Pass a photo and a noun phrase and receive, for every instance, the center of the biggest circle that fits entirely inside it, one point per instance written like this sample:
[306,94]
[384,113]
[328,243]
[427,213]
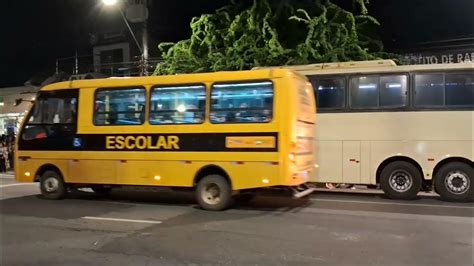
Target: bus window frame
[206,98]
[379,108]
[118,88]
[332,109]
[44,94]
[444,107]
[242,82]
[47,94]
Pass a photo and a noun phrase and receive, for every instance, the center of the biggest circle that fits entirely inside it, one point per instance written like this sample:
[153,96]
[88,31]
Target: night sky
[35,33]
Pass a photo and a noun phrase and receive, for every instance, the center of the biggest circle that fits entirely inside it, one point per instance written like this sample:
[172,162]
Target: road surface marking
[17,184]
[7,176]
[121,220]
[393,203]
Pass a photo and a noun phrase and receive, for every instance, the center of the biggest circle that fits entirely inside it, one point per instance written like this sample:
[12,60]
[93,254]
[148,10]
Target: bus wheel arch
[211,169]
[47,167]
[400,177]
[452,168]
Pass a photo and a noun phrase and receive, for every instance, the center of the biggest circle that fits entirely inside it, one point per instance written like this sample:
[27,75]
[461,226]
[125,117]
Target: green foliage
[240,36]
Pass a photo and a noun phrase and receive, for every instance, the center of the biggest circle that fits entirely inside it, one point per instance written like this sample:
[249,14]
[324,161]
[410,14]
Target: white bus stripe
[121,220]
[392,203]
[17,184]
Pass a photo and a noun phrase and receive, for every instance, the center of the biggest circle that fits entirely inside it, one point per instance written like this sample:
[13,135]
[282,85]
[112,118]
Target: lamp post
[143,48]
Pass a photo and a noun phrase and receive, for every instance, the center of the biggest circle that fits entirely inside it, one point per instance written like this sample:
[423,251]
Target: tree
[244,35]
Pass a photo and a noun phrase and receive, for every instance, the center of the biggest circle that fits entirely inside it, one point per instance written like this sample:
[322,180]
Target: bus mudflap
[302,190]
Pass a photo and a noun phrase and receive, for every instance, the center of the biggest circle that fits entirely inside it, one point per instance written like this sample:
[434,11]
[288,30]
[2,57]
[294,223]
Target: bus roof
[174,79]
[372,66]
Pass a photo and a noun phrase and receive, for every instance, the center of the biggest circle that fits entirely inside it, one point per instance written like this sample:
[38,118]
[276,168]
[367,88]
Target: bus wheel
[453,182]
[213,193]
[52,185]
[400,180]
[101,190]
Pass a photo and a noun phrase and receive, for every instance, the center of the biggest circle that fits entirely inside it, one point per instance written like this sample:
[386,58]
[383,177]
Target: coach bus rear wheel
[400,180]
[214,193]
[453,182]
[52,185]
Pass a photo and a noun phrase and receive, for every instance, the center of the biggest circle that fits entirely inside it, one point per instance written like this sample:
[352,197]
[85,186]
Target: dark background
[36,33]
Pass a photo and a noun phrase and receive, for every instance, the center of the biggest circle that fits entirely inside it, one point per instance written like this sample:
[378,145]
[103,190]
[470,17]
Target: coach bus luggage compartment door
[351,162]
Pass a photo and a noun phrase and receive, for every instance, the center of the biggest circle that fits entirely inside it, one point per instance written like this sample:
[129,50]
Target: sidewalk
[8,174]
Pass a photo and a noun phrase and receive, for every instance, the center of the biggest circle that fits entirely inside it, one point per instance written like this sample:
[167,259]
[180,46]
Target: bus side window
[178,104]
[329,92]
[121,106]
[459,89]
[378,91]
[250,102]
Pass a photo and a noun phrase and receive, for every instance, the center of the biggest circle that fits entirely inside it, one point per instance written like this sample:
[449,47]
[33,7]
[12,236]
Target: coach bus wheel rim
[457,182]
[401,181]
[51,184]
[211,194]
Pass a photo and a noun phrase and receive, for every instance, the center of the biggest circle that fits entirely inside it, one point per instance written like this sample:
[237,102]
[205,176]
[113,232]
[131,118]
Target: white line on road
[393,203]
[17,184]
[7,176]
[121,220]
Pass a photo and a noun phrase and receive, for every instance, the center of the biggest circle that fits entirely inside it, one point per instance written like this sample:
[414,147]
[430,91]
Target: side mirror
[20,100]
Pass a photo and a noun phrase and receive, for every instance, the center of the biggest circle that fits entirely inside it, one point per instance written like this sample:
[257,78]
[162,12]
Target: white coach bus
[406,128]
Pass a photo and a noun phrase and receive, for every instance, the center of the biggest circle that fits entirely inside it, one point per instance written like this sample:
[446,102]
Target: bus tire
[52,185]
[214,193]
[101,190]
[400,180]
[453,182]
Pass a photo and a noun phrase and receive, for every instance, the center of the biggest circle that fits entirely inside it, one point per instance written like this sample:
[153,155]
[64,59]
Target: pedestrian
[2,158]
[6,156]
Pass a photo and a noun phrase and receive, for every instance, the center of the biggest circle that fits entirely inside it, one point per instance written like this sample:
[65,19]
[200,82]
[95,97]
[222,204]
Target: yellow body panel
[133,157]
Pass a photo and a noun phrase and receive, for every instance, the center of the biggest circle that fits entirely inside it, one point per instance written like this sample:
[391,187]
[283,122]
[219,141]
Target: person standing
[3,165]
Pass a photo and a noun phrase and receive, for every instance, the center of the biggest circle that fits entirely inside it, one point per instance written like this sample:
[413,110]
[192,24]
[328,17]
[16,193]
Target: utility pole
[145,39]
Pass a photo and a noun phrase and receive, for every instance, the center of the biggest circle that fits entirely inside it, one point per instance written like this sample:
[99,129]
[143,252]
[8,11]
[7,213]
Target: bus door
[90,165]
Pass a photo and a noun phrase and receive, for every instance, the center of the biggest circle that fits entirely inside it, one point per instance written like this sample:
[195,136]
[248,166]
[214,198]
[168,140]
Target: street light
[144,47]
[109,2]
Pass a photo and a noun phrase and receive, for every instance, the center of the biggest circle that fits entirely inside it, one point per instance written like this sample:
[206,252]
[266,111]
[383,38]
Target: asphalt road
[166,228]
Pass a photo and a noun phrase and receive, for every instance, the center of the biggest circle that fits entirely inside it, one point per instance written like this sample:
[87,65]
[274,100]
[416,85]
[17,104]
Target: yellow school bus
[222,134]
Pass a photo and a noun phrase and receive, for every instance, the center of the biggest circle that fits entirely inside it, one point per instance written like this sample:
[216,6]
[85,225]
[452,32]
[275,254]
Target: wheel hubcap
[457,182]
[401,181]
[51,185]
[211,194]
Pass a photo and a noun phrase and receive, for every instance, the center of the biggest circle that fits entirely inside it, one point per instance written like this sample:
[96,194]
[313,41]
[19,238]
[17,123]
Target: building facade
[11,114]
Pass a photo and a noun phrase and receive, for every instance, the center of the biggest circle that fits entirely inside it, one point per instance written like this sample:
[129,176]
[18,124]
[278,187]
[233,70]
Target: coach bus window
[393,91]
[242,102]
[429,90]
[178,104]
[329,92]
[387,91]
[364,92]
[459,89]
[119,106]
